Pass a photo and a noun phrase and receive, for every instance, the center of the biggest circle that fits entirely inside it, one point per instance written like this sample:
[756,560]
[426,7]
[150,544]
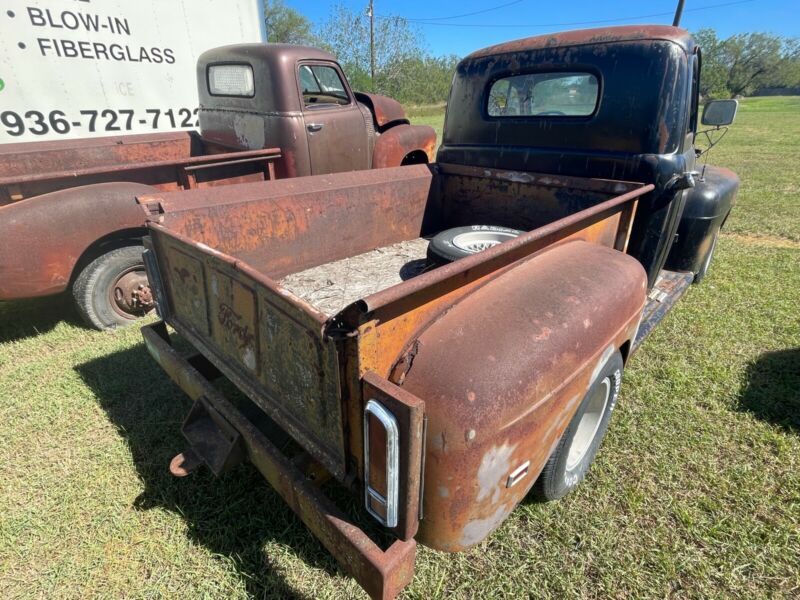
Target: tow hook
[185,463]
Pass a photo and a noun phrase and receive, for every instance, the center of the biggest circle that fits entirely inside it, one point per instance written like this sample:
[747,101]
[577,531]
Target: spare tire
[452,244]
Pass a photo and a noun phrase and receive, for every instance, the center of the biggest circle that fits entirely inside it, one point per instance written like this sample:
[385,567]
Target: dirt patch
[771,241]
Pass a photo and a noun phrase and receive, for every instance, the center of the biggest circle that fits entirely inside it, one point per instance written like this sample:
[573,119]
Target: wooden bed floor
[334,285]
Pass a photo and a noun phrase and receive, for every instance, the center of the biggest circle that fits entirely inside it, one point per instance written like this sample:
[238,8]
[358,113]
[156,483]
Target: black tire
[700,275]
[93,289]
[559,477]
[445,247]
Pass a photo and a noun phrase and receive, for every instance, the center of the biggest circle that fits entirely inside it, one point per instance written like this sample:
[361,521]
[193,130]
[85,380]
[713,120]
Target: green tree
[744,62]
[287,26]
[347,35]
[714,73]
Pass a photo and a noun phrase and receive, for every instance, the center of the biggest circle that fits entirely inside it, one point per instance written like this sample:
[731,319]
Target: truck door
[337,134]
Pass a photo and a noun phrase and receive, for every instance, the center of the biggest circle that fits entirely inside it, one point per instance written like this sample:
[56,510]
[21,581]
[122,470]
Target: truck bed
[332,286]
[255,276]
[166,161]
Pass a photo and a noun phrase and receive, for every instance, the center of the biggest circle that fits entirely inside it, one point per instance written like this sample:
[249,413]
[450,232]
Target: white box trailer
[89,68]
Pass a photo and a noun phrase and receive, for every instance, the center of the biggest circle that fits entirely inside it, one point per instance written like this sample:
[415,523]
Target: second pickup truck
[267,111]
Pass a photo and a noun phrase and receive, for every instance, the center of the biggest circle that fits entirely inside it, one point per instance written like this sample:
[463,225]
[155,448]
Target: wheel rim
[130,295]
[589,424]
[476,241]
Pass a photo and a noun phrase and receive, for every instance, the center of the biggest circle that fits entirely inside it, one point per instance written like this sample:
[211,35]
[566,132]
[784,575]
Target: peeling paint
[476,530]
[494,467]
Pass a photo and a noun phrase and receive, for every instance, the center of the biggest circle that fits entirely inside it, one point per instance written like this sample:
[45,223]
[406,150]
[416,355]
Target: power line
[469,14]
[542,25]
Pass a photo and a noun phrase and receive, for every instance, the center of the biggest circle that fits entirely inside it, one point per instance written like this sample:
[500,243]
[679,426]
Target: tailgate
[269,343]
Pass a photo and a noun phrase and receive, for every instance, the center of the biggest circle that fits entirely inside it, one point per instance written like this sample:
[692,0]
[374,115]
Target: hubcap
[476,241]
[130,295]
[589,424]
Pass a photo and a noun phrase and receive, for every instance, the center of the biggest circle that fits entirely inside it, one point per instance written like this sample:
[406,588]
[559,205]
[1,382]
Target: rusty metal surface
[519,355]
[293,224]
[386,110]
[388,322]
[383,574]
[27,159]
[267,342]
[276,114]
[398,142]
[274,73]
[41,239]
[165,161]
[600,35]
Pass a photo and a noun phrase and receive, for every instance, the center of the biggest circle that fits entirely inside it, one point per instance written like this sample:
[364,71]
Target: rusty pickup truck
[444,339]
[267,111]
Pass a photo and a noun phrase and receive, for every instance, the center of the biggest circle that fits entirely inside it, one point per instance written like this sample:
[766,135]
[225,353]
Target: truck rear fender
[503,371]
[45,238]
[404,144]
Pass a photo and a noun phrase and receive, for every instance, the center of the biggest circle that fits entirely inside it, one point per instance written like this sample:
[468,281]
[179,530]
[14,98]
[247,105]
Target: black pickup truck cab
[635,118]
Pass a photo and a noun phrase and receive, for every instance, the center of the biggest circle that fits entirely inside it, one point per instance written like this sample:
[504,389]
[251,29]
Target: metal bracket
[156,283]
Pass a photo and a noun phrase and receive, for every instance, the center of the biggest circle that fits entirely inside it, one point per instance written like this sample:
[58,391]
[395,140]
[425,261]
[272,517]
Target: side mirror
[718,113]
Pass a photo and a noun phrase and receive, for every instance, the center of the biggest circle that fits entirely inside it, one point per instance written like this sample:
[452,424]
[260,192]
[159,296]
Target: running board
[669,288]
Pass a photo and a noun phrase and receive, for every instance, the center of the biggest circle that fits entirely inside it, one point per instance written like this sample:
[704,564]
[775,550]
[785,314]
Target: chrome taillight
[386,502]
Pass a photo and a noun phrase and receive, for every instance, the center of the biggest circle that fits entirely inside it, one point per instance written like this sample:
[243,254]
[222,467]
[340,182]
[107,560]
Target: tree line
[739,65]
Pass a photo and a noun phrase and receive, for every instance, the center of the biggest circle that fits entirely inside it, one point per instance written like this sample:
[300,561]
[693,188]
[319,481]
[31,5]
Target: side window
[322,86]
[544,95]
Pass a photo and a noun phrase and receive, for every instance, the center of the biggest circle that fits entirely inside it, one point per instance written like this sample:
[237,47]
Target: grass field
[695,493]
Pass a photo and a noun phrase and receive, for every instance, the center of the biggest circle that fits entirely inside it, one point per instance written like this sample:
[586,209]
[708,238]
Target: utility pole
[372,42]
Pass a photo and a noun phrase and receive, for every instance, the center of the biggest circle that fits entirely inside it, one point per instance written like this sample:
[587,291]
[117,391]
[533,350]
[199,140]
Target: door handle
[314,126]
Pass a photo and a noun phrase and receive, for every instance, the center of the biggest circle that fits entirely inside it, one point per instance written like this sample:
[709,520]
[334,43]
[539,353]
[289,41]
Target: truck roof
[272,53]
[599,35]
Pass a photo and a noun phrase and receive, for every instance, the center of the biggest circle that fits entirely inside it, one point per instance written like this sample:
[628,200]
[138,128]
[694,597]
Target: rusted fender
[503,371]
[42,238]
[385,109]
[398,142]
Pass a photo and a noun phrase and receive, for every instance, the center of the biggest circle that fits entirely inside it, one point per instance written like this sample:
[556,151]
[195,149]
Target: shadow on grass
[28,318]
[772,391]
[232,516]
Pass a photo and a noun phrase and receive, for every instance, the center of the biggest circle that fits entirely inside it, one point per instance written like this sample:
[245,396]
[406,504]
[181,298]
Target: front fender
[707,206]
[42,238]
[503,371]
[398,142]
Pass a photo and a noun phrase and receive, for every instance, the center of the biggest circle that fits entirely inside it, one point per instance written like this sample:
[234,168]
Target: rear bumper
[383,574]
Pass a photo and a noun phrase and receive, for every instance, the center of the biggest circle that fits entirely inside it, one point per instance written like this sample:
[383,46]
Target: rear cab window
[321,87]
[572,94]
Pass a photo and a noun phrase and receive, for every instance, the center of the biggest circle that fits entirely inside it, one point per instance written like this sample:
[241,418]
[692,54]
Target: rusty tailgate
[269,343]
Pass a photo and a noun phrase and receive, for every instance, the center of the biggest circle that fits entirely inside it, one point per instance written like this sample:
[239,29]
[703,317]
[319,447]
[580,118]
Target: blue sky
[524,18]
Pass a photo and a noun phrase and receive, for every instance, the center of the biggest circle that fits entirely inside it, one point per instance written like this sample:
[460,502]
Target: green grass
[696,492]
